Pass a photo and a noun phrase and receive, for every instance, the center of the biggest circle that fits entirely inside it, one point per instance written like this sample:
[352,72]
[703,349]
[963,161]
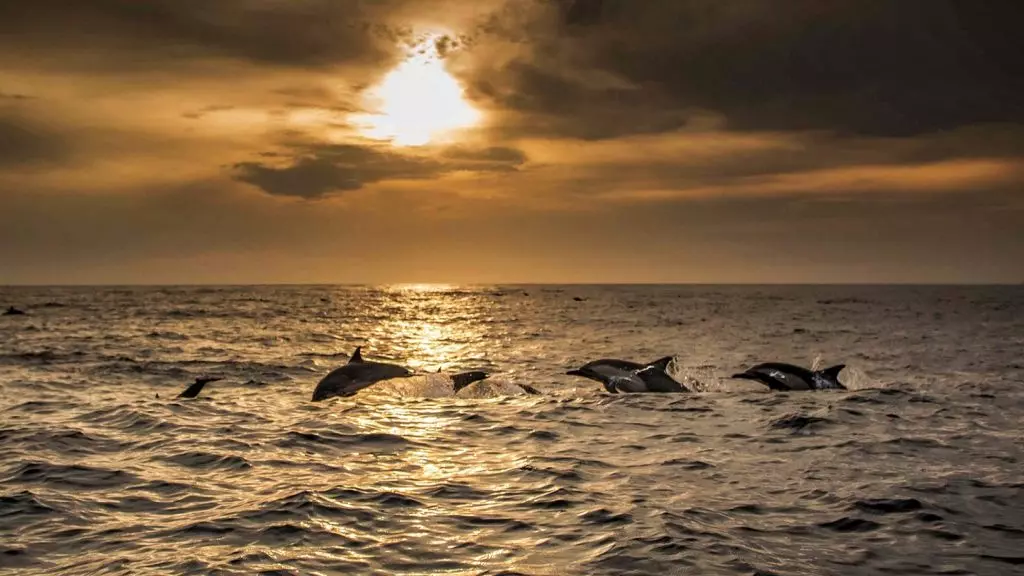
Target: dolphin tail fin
[193,390]
[357,356]
[662,362]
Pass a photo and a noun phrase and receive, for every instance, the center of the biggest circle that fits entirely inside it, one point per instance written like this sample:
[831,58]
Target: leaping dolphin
[629,377]
[356,375]
[780,376]
[193,390]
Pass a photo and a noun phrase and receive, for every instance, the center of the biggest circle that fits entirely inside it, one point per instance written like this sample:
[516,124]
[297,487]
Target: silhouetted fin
[357,356]
[194,390]
[12,311]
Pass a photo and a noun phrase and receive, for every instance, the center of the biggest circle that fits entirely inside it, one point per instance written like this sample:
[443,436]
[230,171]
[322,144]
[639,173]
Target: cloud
[697,131]
[124,34]
[333,169]
[15,96]
[27,143]
[488,159]
[943,177]
[314,171]
[883,69]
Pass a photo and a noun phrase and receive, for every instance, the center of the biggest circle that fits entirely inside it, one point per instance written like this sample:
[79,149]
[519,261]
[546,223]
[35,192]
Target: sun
[418,102]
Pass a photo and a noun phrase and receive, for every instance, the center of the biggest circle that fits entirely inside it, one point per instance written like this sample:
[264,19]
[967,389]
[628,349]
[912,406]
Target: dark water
[916,470]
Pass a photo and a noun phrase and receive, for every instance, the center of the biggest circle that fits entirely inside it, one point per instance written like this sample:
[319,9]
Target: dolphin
[784,377]
[605,368]
[629,377]
[194,389]
[356,375]
[12,311]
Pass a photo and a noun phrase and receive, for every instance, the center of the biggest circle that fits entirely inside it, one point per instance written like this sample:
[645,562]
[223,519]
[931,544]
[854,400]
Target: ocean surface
[917,469]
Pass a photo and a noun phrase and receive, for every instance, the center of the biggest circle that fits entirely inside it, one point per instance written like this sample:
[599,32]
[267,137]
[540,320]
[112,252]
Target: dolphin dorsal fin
[357,356]
[661,363]
[833,371]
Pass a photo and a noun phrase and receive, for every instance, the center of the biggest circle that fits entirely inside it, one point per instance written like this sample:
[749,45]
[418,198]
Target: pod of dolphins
[617,377]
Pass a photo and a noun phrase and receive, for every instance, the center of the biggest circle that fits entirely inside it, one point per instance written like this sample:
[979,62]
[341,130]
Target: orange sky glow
[508,141]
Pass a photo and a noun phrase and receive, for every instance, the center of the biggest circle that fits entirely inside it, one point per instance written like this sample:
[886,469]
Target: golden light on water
[418,102]
[421,325]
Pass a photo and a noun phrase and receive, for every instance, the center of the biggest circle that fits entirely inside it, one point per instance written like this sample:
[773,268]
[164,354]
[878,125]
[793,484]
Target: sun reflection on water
[430,326]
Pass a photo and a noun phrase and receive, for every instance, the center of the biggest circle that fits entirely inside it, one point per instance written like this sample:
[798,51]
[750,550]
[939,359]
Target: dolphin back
[354,376]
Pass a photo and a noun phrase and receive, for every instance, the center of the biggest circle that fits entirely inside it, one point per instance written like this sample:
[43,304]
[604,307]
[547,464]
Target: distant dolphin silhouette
[12,311]
[356,375]
[197,387]
[629,377]
[785,377]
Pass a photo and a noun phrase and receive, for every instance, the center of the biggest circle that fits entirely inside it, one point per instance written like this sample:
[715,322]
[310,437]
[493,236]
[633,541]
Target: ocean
[917,468]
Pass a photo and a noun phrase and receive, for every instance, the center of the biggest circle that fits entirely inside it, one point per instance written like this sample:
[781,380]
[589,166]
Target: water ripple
[914,470]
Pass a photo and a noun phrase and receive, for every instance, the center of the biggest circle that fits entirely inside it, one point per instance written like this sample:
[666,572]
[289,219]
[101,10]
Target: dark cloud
[875,68]
[334,169]
[24,143]
[550,104]
[197,114]
[491,159]
[128,34]
[314,171]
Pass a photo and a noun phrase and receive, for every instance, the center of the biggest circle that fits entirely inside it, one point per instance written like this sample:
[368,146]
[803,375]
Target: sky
[511,141]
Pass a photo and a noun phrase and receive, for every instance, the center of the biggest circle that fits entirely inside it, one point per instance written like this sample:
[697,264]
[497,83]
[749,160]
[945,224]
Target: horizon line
[477,284]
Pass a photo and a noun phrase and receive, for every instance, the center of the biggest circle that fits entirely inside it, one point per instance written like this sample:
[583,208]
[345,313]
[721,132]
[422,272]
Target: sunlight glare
[418,102]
